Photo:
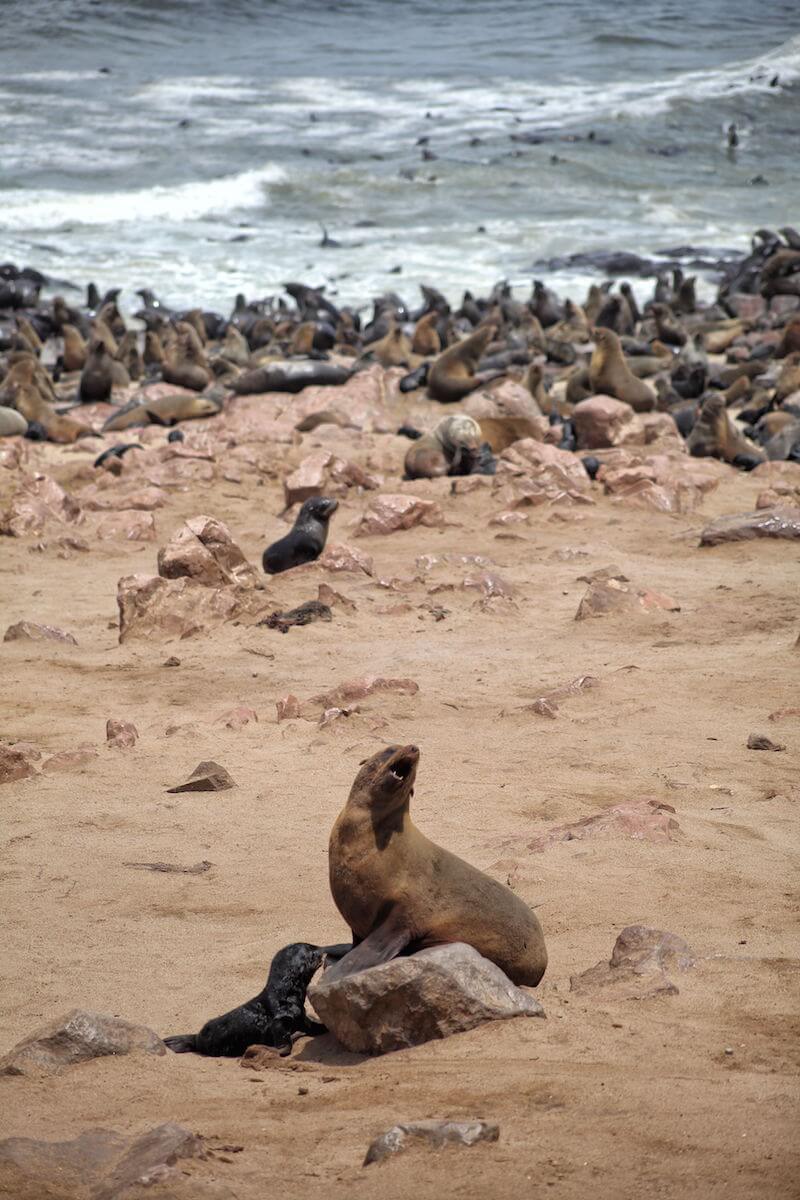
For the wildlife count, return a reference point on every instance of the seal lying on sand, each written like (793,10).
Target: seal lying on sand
(273,1017)
(398,891)
(306,539)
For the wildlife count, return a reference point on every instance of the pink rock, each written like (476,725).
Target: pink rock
(310,478)
(358,689)
(203,550)
(70,760)
(38,501)
(509,398)
(781,470)
(288,708)
(327,595)
(749,308)
(236,718)
(388,513)
(639,964)
(548,464)
(125,526)
(31,632)
(604,421)
(150,606)
(339,557)
(547,704)
(779,522)
(612,595)
(658,425)
(643,820)
(509,517)
(657,497)
(330,715)
(121,734)
(489,583)
(14,765)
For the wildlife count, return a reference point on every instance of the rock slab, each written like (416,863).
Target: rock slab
(76,1037)
(638,965)
(435,1134)
(408,1001)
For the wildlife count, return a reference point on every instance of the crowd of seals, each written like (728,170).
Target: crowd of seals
(670,353)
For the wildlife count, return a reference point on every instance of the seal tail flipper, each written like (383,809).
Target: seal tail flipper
(181,1043)
(380,946)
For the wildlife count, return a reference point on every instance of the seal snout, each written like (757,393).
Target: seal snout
(404,764)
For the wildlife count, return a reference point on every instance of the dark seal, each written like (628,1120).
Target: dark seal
(273,1017)
(306,541)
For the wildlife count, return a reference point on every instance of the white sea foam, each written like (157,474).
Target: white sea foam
(171,94)
(50,210)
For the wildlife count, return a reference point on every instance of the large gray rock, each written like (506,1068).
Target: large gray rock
(435,1134)
(639,965)
(431,994)
(74,1038)
(99,1164)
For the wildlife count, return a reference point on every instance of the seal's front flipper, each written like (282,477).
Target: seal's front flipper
(338,951)
(380,946)
(181,1043)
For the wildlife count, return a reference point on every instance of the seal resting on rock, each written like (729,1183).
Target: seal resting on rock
(306,539)
(272,1018)
(400,892)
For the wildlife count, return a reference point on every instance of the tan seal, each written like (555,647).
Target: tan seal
(449,449)
(715,435)
(398,890)
(610,375)
(452,375)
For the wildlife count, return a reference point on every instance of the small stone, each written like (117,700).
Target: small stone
(435,1134)
(408,1001)
(76,1037)
(338,557)
(388,513)
(172,661)
(206,777)
(729,1049)
(31,632)
(14,765)
(121,734)
(760,741)
(238,717)
(70,760)
(288,708)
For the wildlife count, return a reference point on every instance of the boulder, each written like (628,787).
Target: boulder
(151,606)
(29,631)
(14,764)
(603,421)
(548,464)
(121,734)
(783,521)
(99,1164)
(128,525)
(408,1001)
(77,1037)
(39,500)
(339,557)
(434,1134)
(203,550)
(639,964)
(604,596)
(390,512)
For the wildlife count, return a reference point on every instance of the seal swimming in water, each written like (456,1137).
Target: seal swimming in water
(399,892)
(452,376)
(306,539)
(273,1017)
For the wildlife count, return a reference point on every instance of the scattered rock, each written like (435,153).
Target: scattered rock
(99,1164)
(435,1134)
(31,632)
(639,963)
(643,820)
(359,689)
(70,760)
(121,734)
(76,1037)
(238,717)
(431,994)
(603,421)
(127,526)
(605,596)
(14,765)
(388,513)
(760,741)
(151,606)
(780,713)
(204,550)
(206,777)
(779,522)
(547,704)
(39,501)
(339,557)
(327,595)
(288,708)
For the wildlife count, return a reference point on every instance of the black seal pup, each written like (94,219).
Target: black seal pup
(271,1018)
(305,541)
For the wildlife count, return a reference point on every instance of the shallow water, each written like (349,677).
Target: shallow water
(218,138)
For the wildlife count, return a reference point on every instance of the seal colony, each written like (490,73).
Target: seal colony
(671,354)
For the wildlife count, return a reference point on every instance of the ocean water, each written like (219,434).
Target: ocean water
(200,146)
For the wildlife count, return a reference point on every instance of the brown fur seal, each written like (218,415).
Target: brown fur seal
(399,891)
(75,349)
(610,375)
(153,355)
(790,339)
(450,449)
(128,356)
(185,364)
(166,410)
(715,436)
(97,376)
(392,350)
(426,341)
(452,375)
(100,330)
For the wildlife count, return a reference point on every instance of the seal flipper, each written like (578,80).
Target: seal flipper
(182,1043)
(380,946)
